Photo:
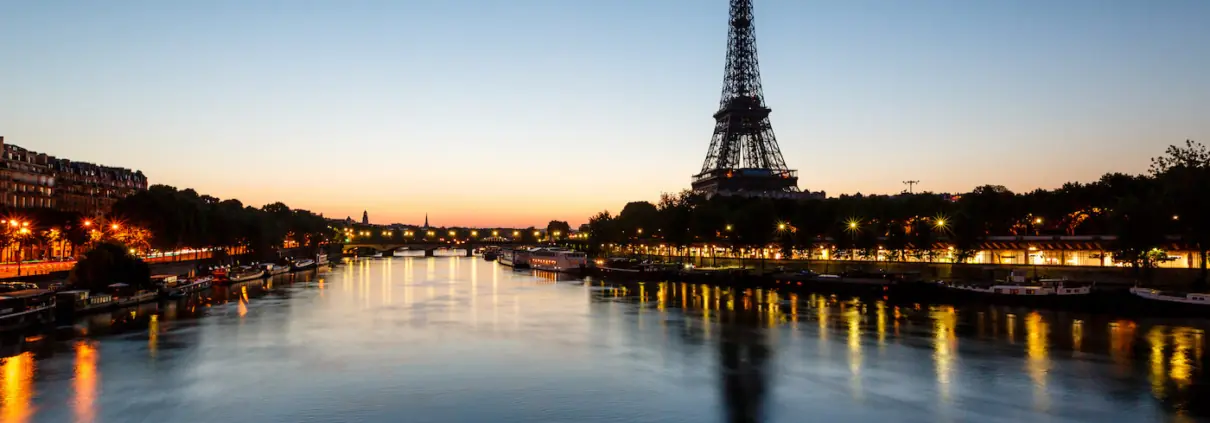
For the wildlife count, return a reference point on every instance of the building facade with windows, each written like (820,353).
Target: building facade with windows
(25,178)
(29,180)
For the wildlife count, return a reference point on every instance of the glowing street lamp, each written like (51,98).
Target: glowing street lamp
(495,233)
(781,226)
(516,233)
(474,233)
(536,233)
(114,226)
(728,229)
(940,223)
(1038,221)
(451,233)
(87,223)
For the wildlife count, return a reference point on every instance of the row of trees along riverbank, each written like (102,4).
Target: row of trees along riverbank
(176,219)
(1142,211)
(168,219)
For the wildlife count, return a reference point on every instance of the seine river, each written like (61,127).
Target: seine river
(451,339)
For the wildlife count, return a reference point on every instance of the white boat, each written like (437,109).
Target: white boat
(557,259)
(245,274)
(1043,287)
(304,264)
(1172,297)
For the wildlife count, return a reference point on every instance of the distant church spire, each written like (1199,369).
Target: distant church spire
(365,217)
(426,220)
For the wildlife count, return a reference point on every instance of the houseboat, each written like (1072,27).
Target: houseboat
(26,308)
(557,260)
(626,268)
(191,286)
(491,253)
(517,258)
(71,303)
(125,295)
(272,269)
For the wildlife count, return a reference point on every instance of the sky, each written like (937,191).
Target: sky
(516,112)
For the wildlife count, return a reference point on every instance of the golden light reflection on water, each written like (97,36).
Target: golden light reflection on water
(1037,362)
(945,345)
(880,306)
(17,389)
(243,301)
(1181,364)
(153,335)
(1155,339)
(853,319)
(85,382)
(1077,334)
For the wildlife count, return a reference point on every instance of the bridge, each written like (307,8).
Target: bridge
(387,248)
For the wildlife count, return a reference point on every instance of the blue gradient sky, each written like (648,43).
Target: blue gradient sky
(516,112)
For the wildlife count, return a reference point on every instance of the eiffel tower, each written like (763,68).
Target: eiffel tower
(744,158)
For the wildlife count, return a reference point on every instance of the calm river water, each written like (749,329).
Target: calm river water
(465,340)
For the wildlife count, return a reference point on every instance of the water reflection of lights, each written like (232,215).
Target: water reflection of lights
(1155,339)
(16,392)
(880,306)
(1037,357)
(153,335)
(243,301)
(853,318)
(1181,364)
(945,345)
(1077,334)
(85,381)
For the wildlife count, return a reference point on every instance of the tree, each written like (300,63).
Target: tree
(1183,174)
(557,229)
(108,263)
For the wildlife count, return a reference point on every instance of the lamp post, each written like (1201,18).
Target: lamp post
(21,234)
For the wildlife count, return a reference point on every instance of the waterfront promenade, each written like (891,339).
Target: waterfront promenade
(13,270)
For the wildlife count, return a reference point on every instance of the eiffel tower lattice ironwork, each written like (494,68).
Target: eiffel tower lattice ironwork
(744,158)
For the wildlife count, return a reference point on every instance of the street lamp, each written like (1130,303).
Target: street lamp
(474,233)
(451,233)
(728,228)
(941,223)
(495,233)
(781,226)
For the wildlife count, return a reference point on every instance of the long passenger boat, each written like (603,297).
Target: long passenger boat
(558,260)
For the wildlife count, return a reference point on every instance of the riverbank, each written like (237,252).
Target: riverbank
(1165,278)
